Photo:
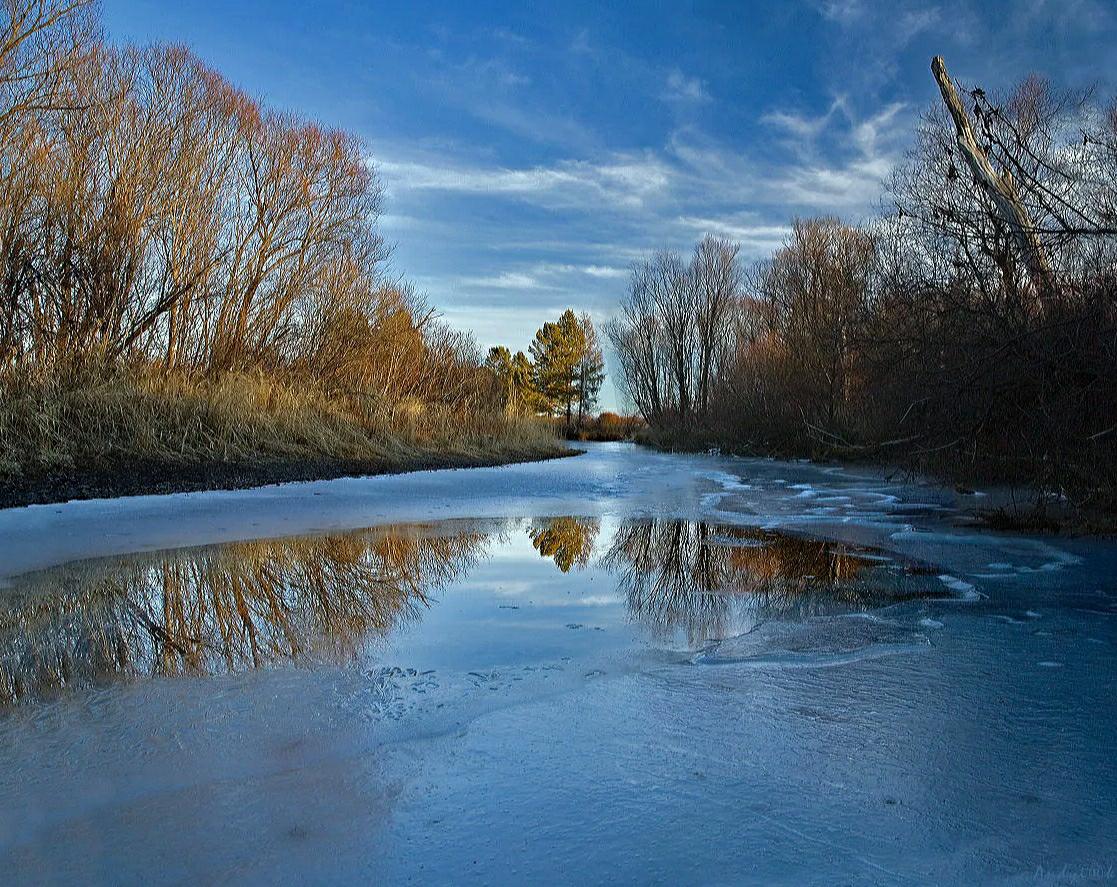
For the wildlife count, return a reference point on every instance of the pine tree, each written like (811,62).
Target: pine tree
(557,349)
(591,369)
(516,377)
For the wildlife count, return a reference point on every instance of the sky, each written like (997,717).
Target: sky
(530,152)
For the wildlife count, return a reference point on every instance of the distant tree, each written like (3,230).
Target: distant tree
(718,279)
(591,369)
(516,376)
(558,349)
(816,288)
(499,361)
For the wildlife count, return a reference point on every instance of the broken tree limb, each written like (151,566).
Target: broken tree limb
(1000,188)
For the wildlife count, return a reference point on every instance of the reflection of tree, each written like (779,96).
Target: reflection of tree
(220,608)
(568,540)
(691,575)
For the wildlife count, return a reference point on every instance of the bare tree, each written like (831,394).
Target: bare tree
(718,279)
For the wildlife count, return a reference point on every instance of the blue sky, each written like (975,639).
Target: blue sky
(531,151)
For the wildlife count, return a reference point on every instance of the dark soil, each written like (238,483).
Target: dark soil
(139,477)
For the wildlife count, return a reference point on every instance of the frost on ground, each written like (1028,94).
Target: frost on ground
(625,666)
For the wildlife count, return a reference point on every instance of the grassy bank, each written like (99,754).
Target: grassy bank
(82,434)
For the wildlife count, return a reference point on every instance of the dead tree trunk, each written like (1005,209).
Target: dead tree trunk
(1000,188)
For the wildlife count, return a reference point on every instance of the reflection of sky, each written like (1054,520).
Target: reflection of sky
(400,595)
(460,594)
(529,157)
(515,608)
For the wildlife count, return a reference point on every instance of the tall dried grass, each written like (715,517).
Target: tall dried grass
(70,421)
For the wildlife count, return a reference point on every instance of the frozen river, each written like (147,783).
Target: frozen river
(620,667)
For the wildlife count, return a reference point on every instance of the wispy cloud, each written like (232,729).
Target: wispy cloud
(495,90)
(756,238)
(683,89)
(508,280)
(800,125)
(913,22)
(841,10)
(601,272)
(623,180)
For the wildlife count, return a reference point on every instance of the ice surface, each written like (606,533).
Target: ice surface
(807,704)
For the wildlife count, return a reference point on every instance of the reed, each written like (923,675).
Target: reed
(74,421)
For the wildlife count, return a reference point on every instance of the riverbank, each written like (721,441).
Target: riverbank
(999,505)
(125,433)
(153,477)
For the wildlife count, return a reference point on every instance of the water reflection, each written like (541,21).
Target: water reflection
(568,541)
(709,580)
(222,608)
(238,606)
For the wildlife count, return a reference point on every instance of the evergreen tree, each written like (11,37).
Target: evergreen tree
(528,398)
(591,369)
(515,375)
(557,349)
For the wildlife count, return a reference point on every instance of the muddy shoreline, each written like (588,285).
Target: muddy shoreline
(142,477)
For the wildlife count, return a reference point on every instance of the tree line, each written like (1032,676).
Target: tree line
(971,328)
(176,253)
(150,211)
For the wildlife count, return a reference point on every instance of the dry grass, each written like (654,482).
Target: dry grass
(69,421)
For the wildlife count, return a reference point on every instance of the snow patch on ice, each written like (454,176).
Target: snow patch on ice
(965,590)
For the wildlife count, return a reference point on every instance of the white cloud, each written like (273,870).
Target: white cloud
(511,280)
(621,181)
(915,21)
(869,134)
(680,88)
(839,188)
(841,10)
(537,276)
(601,272)
(804,126)
(755,238)
(604,271)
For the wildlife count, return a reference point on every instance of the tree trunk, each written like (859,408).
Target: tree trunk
(1000,188)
